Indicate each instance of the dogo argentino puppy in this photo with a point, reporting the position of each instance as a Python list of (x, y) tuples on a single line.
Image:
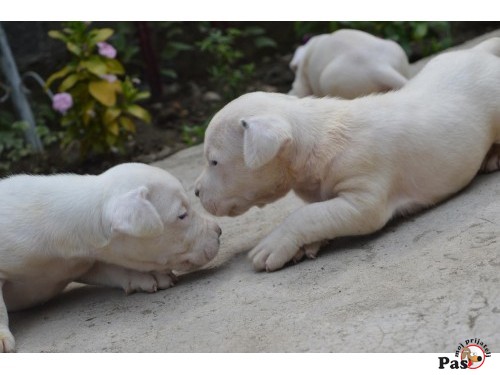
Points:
[(357, 162), (128, 227)]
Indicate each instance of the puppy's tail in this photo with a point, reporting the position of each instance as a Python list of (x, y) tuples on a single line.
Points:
[(491, 45)]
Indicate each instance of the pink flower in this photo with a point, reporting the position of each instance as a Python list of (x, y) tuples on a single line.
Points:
[(108, 77), (106, 50), (62, 102)]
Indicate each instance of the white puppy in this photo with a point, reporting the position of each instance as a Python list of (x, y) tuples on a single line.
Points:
[(128, 227), (358, 162), (348, 64)]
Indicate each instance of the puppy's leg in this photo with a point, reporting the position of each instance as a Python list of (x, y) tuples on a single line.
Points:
[(316, 222), (300, 86), (129, 280), (491, 162), (7, 342)]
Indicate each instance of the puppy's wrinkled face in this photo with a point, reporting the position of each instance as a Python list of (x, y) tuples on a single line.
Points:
[(243, 144), (153, 226)]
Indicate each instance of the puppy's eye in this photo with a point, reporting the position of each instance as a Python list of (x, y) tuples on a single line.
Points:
[(214, 162), (183, 216)]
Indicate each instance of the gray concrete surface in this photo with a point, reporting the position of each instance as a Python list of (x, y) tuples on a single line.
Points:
[(422, 284)]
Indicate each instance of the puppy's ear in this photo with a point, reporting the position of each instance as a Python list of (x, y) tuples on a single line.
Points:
[(263, 138), (133, 214)]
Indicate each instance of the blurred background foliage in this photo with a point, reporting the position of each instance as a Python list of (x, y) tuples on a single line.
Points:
[(191, 70)]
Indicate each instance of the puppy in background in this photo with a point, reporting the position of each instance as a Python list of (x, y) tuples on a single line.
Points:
[(128, 227), (348, 64)]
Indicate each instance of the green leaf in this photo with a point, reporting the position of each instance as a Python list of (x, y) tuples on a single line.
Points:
[(169, 73), (104, 92), (55, 34), (111, 139), (113, 128), (420, 30), (253, 31), (100, 35), (264, 41), (142, 95), (68, 82), (127, 124), (111, 114), (139, 112), (59, 74), (73, 48), (179, 46), (95, 65), (88, 112), (114, 66)]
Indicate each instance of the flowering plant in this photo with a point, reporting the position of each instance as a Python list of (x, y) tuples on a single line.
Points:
[(61, 102), (98, 107)]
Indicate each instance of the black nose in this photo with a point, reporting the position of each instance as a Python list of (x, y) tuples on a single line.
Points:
[(479, 358), (197, 192), (219, 230)]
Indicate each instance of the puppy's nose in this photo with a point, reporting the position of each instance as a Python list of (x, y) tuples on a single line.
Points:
[(197, 192), (219, 230)]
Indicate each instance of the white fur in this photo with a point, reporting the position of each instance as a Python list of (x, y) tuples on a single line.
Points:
[(297, 57), (262, 142), (121, 228), (348, 64), (357, 162)]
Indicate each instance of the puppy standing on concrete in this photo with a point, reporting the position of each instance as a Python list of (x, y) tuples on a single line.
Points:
[(348, 64), (128, 227), (358, 162)]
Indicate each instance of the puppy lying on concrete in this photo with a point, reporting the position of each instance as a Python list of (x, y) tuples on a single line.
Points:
[(348, 64), (358, 162), (128, 227)]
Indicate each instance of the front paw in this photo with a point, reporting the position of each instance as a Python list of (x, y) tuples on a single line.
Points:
[(140, 282), (273, 252), (310, 251), (149, 282), (7, 342), (165, 279)]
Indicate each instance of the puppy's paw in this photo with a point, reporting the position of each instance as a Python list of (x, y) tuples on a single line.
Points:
[(310, 251), (141, 282), (299, 255), (491, 162), (165, 279), (273, 252), (7, 342)]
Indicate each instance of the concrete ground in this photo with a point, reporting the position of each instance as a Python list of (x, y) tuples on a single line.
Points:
[(423, 284)]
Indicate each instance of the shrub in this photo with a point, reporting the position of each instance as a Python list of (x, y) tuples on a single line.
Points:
[(13, 145), (98, 108), (228, 72)]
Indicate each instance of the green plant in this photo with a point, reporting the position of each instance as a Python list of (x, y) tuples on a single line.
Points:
[(228, 72), (98, 107), (12, 143), (124, 39), (172, 33), (193, 134), (13, 146)]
